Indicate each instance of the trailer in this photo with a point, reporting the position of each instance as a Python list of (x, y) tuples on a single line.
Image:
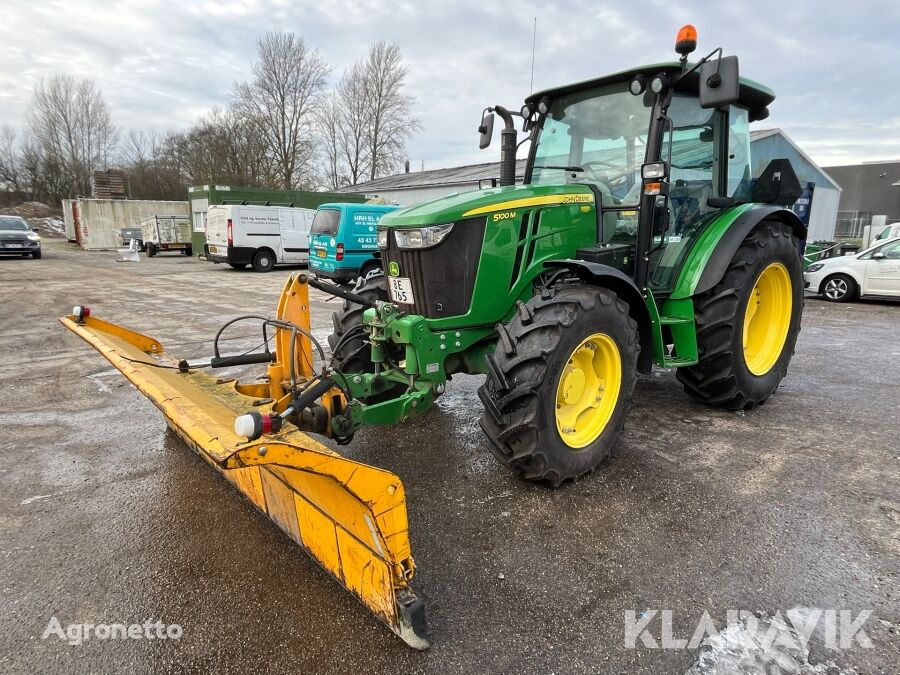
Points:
[(166, 233)]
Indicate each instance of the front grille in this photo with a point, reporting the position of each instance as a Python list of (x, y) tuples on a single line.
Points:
[(443, 277), (20, 242)]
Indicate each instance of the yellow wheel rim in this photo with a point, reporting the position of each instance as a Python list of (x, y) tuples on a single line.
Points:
[(767, 319), (588, 390)]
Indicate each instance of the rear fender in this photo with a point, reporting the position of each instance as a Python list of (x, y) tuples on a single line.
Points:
[(706, 263), (621, 284)]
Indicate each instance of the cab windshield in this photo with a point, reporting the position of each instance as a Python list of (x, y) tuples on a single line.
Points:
[(596, 136)]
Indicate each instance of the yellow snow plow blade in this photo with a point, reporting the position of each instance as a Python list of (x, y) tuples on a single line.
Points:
[(350, 517)]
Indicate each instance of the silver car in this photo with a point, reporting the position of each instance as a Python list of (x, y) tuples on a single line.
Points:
[(17, 237)]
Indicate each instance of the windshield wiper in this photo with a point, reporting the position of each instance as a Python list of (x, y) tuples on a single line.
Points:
[(574, 169)]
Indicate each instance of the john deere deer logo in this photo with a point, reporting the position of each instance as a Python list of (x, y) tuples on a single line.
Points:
[(394, 269)]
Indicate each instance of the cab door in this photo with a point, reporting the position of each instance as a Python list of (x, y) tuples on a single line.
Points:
[(883, 271)]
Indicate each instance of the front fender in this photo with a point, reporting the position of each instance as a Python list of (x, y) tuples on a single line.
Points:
[(620, 283), (706, 263)]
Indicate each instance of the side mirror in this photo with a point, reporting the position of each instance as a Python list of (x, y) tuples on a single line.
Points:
[(878, 255), (719, 82), (486, 129)]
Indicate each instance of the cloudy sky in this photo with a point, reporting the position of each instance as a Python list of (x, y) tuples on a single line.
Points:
[(834, 65)]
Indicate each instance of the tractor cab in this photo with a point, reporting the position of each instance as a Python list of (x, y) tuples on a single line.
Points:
[(658, 158)]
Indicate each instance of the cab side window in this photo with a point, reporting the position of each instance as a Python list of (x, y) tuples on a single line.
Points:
[(691, 171)]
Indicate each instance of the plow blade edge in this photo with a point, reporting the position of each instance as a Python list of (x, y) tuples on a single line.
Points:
[(350, 517)]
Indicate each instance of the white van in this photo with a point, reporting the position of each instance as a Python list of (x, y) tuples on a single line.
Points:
[(262, 236)]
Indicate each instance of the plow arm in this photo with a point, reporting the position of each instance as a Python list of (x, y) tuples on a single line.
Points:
[(350, 517)]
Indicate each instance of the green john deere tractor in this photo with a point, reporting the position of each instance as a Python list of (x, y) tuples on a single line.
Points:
[(636, 237)]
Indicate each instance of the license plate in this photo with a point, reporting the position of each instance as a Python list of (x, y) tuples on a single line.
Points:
[(13, 245), (213, 249), (401, 290), (321, 253)]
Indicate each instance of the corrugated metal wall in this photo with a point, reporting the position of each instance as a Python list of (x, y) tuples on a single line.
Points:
[(101, 220)]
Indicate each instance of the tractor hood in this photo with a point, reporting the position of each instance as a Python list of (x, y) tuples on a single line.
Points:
[(478, 202)]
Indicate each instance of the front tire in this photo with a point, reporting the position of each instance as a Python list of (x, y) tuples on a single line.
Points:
[(237, 266), (263, 260), (839, 288), (36, 255), (748, 323), (352, 353), (560, 383)]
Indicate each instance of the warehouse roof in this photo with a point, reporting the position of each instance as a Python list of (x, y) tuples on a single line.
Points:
[(471, 173)]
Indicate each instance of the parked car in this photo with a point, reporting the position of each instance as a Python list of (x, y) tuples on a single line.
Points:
[(889, 232), (17, 237), (344, 240), (261, 236), (873, 272)]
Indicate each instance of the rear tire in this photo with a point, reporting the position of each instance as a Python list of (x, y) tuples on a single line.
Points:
[(525, 395), (723, 376), (263, 260), (839, 288), (237, 266), (354, 355)]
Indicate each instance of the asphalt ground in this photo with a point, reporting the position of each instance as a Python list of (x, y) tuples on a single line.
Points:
[(108, 518)]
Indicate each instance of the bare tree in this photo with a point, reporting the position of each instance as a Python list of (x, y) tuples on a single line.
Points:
[(288, 83), (73, 134), (10, 161), (368, 120), (391, 122), (353, 122), (329, 121)]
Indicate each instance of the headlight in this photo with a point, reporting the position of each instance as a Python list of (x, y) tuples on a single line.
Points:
[(422, 237), (34, 237), (383, 238), (815, 267)]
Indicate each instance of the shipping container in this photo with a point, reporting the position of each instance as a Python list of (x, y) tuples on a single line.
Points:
[(68, 219), (99, 222)]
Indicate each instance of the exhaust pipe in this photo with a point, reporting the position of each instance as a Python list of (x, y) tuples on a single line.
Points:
[(507, 147)]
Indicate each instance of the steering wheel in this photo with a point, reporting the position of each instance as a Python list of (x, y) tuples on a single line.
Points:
[(592, 173)]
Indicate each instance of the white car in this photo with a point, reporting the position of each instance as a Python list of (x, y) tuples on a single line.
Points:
[(873, 272), (889, 232)]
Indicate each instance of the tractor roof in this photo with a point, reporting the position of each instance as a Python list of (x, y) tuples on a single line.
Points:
[(753, 95)]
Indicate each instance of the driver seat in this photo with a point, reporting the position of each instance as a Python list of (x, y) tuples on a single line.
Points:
[(610, 219)]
